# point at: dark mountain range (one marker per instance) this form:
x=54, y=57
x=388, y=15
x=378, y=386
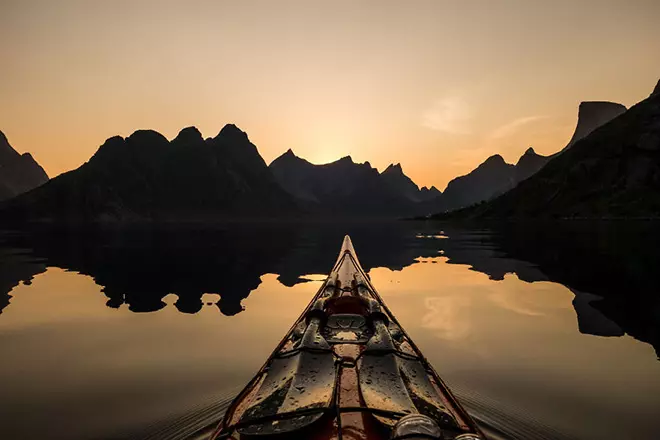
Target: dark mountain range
x=147, y=178
x=490, y=179
x=495, y=177
x=614, y=172
x=593, y=114
x=349, y=189
x=18, y=172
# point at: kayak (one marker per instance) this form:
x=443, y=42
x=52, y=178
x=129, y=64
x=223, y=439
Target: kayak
x=347, y=370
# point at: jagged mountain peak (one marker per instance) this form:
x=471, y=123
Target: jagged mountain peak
x=288, y=158
x=607, y=174
x=5, y=147
x=394, y=168
x=528, y=156
x=19, y=172
x=231, y=131
x=189, y=135
x=495, y=159
x=145, y=177
x=528, y=164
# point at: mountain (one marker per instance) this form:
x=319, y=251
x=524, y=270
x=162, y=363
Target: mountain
x=528, y=164
x=495, y=177
x=656, y=91
x=398, y=182
x=345, y=188
x=425, y=199
x=492, y=178
x=428, y=194
x=614, y=172
x=593, y=114
x=19, y=173
x=296, y=176
x=145, y=177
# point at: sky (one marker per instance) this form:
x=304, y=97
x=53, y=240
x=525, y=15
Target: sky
x=437, y=86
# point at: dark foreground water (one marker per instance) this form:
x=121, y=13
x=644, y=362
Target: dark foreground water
x=544, y=332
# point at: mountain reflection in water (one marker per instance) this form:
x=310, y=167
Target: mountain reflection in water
x=611, y=268
x=508, y=348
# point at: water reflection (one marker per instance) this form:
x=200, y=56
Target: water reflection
x=509, y=348
x=611, y=269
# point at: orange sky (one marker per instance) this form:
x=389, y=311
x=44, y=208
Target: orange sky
x=435, y=85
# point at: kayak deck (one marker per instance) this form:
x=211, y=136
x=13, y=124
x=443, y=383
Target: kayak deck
x=345, y=370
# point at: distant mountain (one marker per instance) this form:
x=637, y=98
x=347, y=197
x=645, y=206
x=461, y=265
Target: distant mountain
x=429, y=194
x=528, y=164
x=399, y=183
x=593, y=114
x=614, y=172
x=19, y=173
x=144, y=177
x=495, y=177
x=345, y=188
x=490, y=179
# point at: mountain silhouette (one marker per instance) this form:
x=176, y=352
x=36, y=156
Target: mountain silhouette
x=656, y=91
x=495, y=177
x=490, y=179
x=614, y=172
x=428, y=194
x=145, y=177
x=399, y=183
x=19, y=173
x=593, y=114
x=528, y=164
x=349, y=189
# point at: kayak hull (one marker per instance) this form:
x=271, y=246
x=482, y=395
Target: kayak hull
x=345, y=370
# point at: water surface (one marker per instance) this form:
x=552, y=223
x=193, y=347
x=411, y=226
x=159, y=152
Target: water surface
x=544, y=332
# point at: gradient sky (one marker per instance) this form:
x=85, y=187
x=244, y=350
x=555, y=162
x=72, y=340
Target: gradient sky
x=435, y=85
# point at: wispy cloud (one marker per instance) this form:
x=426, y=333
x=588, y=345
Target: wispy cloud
x=451, y=115
x=512, y=127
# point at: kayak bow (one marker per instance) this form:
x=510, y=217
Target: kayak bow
x=346, y=370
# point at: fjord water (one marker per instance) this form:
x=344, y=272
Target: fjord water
x=551, y=331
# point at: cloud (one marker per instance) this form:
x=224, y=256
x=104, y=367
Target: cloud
x=513, y=126
x=451, y=115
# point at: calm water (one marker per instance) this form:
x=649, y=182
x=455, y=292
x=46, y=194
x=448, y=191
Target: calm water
x=550, y=332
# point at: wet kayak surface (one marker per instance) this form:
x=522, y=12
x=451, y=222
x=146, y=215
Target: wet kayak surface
x=150, y=334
